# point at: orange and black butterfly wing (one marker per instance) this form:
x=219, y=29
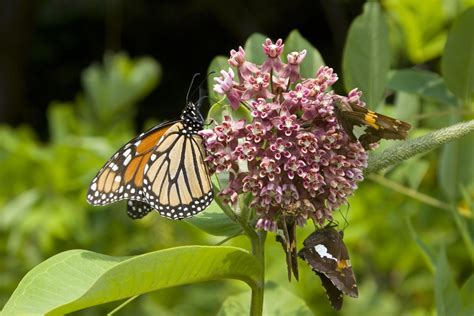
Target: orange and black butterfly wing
x=121, y=178
x=177, y=182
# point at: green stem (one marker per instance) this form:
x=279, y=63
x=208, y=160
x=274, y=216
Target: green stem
x=412, y=147
x=258, y=250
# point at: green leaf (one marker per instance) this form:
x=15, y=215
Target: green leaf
x=217, y=64
x=458, y=59
x=219, y=110
x=213, y=221
x=424, y=83
x=366, y=59
x=407, y=105
x=77, y=279
x=467, y=292
x=62, y=121
x=313, y=60
x=112, y=89
x=456, y=166
x=448, y=300
x=278, y=301
x=253, y=48
x=427, y=251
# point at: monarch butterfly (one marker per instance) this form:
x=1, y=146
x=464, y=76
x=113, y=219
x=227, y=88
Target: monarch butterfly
x=162, y=168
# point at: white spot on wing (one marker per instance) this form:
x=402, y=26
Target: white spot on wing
x=127, y=160
x=323, y=252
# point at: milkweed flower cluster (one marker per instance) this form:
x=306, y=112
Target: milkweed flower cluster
x=293, y=156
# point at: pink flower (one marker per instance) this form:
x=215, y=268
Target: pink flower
x=287, y=123
x=273, y=52
x=225, y=85
x=280, y=148
x=245, y=68
x=293, y=156
x=269, y=168
x=255, y=131
x=246, y=151
x=260, y=108
x=228, y=130
x=292, y=69
x=257, y=86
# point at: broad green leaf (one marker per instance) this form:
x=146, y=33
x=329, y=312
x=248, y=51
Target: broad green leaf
x=467, y=292
x=456, y=166
x=424, y=83
x=407, y=105
x=458, y=58
x=219, y=110
x=217, y=64
x=213, y=221
x=278, y=301
x=116, y=86
x=366, y=59
x=76, y=279
x=313, y=60
x=447, y=295
x=253, y=48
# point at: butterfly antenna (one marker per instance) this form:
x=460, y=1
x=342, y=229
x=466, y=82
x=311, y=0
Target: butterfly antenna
x=200, y=87
x=191, y=86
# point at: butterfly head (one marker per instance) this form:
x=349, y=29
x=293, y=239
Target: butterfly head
x=192, y=117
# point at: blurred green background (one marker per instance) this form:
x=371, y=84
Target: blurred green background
x=75, y=85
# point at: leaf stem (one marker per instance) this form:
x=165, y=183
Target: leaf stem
x=258, y=250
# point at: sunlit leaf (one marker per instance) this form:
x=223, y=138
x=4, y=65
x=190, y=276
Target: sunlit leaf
x=77, y=279
x=422, y=24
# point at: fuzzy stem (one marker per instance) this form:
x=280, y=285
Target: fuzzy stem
x=258, y=250
x=412, y=147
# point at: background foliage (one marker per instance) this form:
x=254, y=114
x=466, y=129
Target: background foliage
x=410, y=255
